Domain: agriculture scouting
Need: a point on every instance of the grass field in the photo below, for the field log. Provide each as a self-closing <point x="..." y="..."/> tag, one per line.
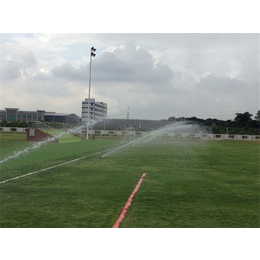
<point x="62" y="135"/>
<point x="200" y="184"/>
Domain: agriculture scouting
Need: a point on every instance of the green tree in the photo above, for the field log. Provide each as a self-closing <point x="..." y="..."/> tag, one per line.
<point x="257" y="117"/>
<point x="243" y="119"/>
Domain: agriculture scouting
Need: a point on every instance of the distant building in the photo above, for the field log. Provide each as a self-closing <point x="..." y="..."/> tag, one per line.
<point x="97" y="111"/>
<point x="14" y="114"/>
<point x="61" y="118"/>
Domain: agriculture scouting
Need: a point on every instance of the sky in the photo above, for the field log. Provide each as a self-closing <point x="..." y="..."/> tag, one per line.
<point x="154" y="73"/>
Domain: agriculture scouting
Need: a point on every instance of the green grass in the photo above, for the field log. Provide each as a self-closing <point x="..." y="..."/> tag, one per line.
<point x="69" y="138"/>
<point x="10" y="141"/>
<point x="54" y="132"/>
<point x="63" y="136"/>
<point x="188" y="184"/>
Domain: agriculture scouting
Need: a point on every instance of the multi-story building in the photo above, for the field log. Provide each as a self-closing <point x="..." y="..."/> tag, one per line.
<point x="95" y="111"/>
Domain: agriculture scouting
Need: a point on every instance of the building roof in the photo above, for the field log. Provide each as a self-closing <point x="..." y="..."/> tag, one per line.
<point x="27" y="111"/>
<point x="59" y="114"/>
<point x="11" y="108"/>
<point x="35" y="111"/>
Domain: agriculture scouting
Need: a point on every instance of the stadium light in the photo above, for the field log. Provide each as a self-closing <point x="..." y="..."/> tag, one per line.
<point x="92" y="54"/>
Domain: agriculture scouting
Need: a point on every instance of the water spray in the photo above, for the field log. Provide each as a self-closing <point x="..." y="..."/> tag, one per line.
<point x="175" y="127"/>
<point x="37" y="145"/>
<point x="113" y="150"/>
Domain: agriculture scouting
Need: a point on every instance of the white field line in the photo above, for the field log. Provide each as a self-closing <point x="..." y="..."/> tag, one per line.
<point x="52" y="167"/>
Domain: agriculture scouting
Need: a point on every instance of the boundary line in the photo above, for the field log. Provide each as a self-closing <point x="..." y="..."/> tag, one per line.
<point x="128" y="203"/>
<point x="51" y="167"/>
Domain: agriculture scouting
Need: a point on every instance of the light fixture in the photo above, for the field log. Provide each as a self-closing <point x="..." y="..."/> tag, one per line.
<point x="92" y="54"/>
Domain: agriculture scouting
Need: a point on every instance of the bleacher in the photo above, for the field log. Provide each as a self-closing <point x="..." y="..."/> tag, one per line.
<point x="122" y="124"/>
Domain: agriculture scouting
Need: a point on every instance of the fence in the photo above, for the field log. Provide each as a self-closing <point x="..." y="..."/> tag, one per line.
<point x="13" y="129"/>
<point x="195" y="136"/>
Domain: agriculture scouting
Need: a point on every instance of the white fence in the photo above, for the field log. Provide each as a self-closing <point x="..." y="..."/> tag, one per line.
<point x="195" y="136"/>
<point x="13" y="129"/>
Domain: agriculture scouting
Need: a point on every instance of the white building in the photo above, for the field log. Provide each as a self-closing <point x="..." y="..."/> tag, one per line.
<point x="97" y="111"/>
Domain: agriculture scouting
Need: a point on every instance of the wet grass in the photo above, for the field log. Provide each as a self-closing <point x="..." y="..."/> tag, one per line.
<point x="69" y="138"/>
<point x="11" y="141"/>
<point x="188" y="184"/>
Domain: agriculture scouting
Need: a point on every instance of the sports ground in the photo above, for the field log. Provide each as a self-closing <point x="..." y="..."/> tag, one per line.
<point x="188" y="183"/>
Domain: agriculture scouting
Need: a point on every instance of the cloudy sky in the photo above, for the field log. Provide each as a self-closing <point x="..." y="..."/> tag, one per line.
<point x="156" y="75"/>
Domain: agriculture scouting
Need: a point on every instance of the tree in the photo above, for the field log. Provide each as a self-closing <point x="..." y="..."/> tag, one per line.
<point x="257" y="117"/>
<point x="243" y="119"/>
<point x="172" y="118"/>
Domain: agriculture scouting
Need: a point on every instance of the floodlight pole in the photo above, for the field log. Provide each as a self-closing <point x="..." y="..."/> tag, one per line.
<point x="92" y="54"/>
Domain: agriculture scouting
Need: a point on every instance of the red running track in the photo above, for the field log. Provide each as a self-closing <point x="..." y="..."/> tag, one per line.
<point x="128" y="203"/>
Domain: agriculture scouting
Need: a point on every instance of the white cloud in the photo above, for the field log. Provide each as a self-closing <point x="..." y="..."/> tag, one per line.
<point x="43" y="70"/>
<point x="156" y="75"/>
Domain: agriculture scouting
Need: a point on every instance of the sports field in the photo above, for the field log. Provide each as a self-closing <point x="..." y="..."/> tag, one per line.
<point x="188" y="183"/>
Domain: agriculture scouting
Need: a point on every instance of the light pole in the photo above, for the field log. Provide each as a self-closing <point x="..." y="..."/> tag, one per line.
<point x="92" y="54"/>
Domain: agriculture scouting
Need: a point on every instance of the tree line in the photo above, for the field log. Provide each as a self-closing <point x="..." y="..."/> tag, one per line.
<point x="14" y="124"/>
<point x="242" y="124"/>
